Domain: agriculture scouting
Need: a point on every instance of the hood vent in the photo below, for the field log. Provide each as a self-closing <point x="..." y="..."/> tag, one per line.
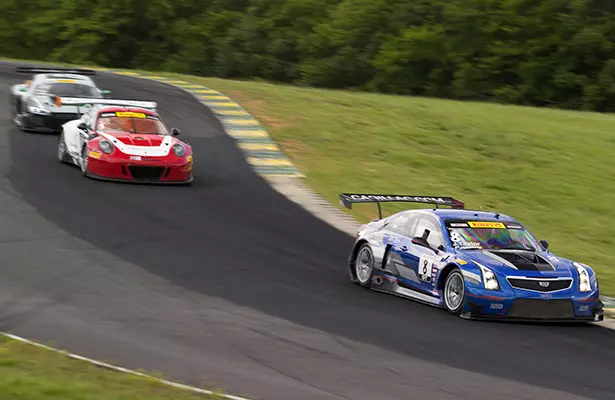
<point x="523" y="260"/>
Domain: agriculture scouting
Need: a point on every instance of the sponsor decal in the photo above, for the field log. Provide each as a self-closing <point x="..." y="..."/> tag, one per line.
<point x="375" y="197"/>
<point x="468" y="246"/>
<point x="514" y="226"/>
<point x="189" y="159"/>
<point x="66" y="81"/>
<point x="486" y="224"/>
<point x="137" y="158"/>
<point x="151" y="117"/>
<point x="95" y="154"/>
<point x="458" y="225"/>
<point x="496" y="306"/>
<point x="546" y="295"/>
<point x="129" y="114"/>
<point x="584" y="308"/>
<point x="106" y="115"/>
<point x="460" y="261"/>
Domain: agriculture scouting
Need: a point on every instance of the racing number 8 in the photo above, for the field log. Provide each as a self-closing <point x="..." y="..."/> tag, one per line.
<point x="425" y="265"/>
<point x="424" y="268"/>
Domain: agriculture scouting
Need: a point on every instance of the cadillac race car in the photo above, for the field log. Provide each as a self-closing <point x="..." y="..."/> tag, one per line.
<point x="124" y="140"/>
<point x="33" y="105"/>
<point x="475" y="264"/>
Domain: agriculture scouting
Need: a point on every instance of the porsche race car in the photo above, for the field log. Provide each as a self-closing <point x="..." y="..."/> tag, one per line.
<point x="33" y="102"/>
<point x="124" y="140"/>
<point x="475" y="264"/>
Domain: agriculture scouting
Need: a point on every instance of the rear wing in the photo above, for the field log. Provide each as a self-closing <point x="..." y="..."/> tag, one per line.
<point x="76" y="101"/>
<point x="348" y="199"/>
<point x="45" y="70"/>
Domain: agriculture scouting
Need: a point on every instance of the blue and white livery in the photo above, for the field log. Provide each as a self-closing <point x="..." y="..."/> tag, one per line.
<point x="475" y="264"/>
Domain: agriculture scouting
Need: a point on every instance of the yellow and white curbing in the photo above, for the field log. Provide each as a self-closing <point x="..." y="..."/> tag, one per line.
<point x="261" y="152"/>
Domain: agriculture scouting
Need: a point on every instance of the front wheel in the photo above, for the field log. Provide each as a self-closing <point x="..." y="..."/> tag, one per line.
<point x="62" y="154"/>
<point x="454" y="292"/>
<point x="84" y="160"/>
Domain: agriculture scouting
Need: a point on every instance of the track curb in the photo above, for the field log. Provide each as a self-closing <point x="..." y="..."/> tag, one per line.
<point x="122" y="369"/>
<point x="260" y="150"/>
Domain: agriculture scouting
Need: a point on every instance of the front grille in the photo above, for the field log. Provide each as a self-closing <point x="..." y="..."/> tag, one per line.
<point x="540" y="285"/>
<point x="541" y="309"/>
<point x="146" y="173"/>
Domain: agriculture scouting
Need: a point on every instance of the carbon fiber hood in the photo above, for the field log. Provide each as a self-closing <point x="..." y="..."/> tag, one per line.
<point x="520" y="262"/>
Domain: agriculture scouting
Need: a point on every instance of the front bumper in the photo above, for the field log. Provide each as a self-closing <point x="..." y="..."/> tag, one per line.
<point x="140" y="172"/>
<point x="47" y="123"/>
<point x="562" y="309"/>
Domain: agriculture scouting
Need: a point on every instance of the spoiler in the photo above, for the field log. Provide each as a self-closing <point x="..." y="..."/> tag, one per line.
<point x="44" y="70"/>
<point x="76" y="101"/>
<point x="347" y="199"/>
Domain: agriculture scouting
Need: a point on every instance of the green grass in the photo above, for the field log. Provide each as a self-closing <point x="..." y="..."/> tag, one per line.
<point x="553" y="170"/>
<point x="28" y="372"/>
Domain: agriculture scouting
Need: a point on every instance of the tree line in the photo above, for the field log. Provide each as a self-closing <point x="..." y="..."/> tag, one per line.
<point x="554" y="53"/>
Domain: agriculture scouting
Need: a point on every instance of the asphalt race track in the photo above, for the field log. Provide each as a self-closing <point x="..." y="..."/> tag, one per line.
<point x="226" y="284"/>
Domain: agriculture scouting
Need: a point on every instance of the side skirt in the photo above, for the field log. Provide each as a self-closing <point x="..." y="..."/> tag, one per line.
<point x="388" y="284"/>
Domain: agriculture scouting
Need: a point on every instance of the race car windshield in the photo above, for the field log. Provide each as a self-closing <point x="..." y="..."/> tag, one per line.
<point x="490" y="235"/>
<point x="68" y="90"/>
<point x="139" y="124"/>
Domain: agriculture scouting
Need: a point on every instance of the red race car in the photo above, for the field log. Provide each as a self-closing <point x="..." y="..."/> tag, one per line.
<point x="124" y="140"/>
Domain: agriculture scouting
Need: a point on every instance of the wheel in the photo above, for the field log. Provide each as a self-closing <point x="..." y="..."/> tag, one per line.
<point x="62" y="154"/>
<point x="364" y="266"/>
<point x="84" y="160"/>
<point x="454" y="292"/>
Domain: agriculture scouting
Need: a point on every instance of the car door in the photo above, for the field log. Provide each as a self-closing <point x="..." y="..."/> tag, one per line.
<point x="400" y="234"/>
<point x="420" y="263"/>
<point x="76" y="137"/>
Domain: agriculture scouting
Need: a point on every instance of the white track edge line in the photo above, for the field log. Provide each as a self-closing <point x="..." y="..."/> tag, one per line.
<point x="122" y="369"/>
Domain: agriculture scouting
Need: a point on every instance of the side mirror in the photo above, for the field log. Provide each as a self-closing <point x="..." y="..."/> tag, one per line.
<point x="545" y="244"/>
<point x="82" y="126"/>
<point x="175" y="131"/>
<point x="423" y="242"/>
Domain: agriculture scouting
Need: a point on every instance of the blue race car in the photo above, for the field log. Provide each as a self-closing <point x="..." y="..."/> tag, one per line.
<point x="476" y="264"/>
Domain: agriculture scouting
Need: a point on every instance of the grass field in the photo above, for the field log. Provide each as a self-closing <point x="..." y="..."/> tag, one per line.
<point x="554" y="170"/>
<point x="27" y="372"/>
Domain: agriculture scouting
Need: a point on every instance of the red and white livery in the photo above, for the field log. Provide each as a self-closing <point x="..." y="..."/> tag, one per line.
<point x="124" y="140"/>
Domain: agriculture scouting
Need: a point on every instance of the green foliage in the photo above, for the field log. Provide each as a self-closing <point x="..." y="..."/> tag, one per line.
<point x="555" y="53"/>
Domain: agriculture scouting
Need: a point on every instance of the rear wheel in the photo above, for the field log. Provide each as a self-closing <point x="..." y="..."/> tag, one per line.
<point x="454" y="292"/>
<point x="364" y="265"/>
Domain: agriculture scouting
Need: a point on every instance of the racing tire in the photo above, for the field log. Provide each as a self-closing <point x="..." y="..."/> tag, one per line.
<point x="84" y="161"/>
<point x="62" y="155"/>
<point x="454" y="292"/>
<point x="364" y="266"/>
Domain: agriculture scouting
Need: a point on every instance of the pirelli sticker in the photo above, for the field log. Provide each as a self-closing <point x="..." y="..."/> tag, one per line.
<point x="486" y="224"/>
<point x="66" y="81"/>
<point x="129" y="114"/>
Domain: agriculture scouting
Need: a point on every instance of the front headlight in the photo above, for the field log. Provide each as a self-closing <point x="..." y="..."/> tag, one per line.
<point x="584" y="283"/>
<point x="179" y="150"/>
<point x="489" y="280"/>
<point x="38" y="110"/>
<point x="105" y="146"/>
